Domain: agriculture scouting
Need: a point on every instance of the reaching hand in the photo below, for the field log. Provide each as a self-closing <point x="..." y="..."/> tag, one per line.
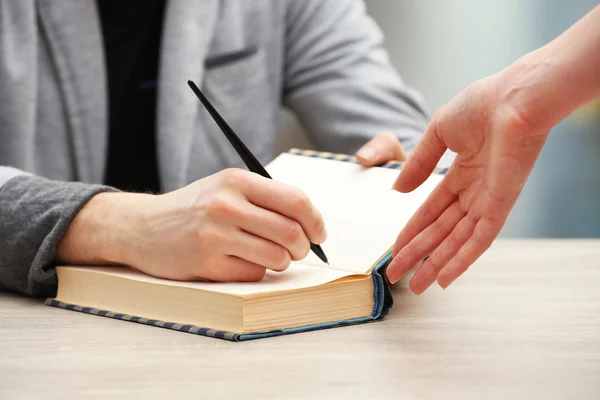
<point x="496" y="146"/>
<point x="497" y="127"/>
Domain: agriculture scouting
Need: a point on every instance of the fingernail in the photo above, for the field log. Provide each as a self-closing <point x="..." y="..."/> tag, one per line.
<point x="391" y="279"/>
<point x="399" y="276"/>
<point x="368" y="153"/>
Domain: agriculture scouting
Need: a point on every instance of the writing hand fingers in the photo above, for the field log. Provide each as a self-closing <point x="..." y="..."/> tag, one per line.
<point x="289" y="202"/>
<point x="276" y="228"/>
<point x="258" y="251"/>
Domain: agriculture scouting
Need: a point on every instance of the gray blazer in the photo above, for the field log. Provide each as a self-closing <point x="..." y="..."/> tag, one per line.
<point x="323" y="59"/>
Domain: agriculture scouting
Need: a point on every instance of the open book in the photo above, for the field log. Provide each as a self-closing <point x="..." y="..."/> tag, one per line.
<point x="363" y="216"/>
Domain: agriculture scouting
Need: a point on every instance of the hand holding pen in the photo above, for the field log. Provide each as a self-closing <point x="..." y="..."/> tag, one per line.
<point x="249" y="159"/>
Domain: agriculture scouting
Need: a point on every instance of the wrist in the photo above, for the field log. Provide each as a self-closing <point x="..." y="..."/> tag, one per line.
<point x="104" y="231"/>
<point x="546" y="86"/>
<point x="526" y="88"/>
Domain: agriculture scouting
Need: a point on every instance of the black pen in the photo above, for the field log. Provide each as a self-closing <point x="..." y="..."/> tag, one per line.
<point x="251" y="162"/>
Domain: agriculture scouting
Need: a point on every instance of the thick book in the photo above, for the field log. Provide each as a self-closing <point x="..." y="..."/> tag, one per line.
<point x="363" y="216"/>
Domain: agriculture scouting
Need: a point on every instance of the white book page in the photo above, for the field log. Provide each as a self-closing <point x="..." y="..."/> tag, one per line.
<point x="363" y="215"/>
<point x="295" y="277"/>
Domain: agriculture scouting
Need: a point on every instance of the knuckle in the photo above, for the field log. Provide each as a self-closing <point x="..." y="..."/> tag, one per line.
<point x="318" y="225"/>
<point x="299" y="202"/>
<point x="303" y="249"/>
<point x="232" y="177"/>
<point x="221" y="207"/>
<point x="292" y="233"/>
<point x="218" y="207"/>
<point x="279" y="257"/>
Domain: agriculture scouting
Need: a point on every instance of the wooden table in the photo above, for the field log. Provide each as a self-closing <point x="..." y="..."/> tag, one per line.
<point x="524" y="322"/>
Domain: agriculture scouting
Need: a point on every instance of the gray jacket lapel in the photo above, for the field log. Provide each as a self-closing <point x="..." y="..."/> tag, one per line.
<point x="74" y="35"/>
<point x="187" y="35"/>
<point x="73" y="31"/>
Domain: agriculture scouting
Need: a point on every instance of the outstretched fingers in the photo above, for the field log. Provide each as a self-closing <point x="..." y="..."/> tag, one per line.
<point x="434" y="206"/>
<point x="430" y="269"/>
<point x="482" y="238"/>
<point x="425" y="242"/>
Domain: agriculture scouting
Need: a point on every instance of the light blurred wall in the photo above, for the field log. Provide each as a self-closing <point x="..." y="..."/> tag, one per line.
<point x="440" y="47"/>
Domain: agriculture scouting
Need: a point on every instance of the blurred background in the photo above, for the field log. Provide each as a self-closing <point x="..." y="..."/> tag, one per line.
<point x="439" y="47"/>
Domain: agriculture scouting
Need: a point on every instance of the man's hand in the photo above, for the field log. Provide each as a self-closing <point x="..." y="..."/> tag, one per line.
<point x="487" y="125"/>
<point x="381" y="149"/>
<point x="231" y="226"/>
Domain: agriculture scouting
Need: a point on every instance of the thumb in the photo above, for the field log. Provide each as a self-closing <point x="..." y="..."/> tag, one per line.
<point x="422" y="160"/>
<point x="381" y="149"/>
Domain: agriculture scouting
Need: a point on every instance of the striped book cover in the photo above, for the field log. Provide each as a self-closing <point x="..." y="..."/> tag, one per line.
<point x="352" y="159"/>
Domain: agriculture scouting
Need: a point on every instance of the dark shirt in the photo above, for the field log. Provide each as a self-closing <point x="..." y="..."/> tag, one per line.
<point x="132" y="31"/>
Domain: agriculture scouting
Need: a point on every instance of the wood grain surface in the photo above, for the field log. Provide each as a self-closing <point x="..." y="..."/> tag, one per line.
<point x="522" y="323"/>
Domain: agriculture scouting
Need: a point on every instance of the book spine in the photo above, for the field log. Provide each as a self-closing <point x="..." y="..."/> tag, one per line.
<point x="197" y="330"/>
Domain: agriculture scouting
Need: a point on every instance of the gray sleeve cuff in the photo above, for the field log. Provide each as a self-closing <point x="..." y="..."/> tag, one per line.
<point x="34" y="214"/>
